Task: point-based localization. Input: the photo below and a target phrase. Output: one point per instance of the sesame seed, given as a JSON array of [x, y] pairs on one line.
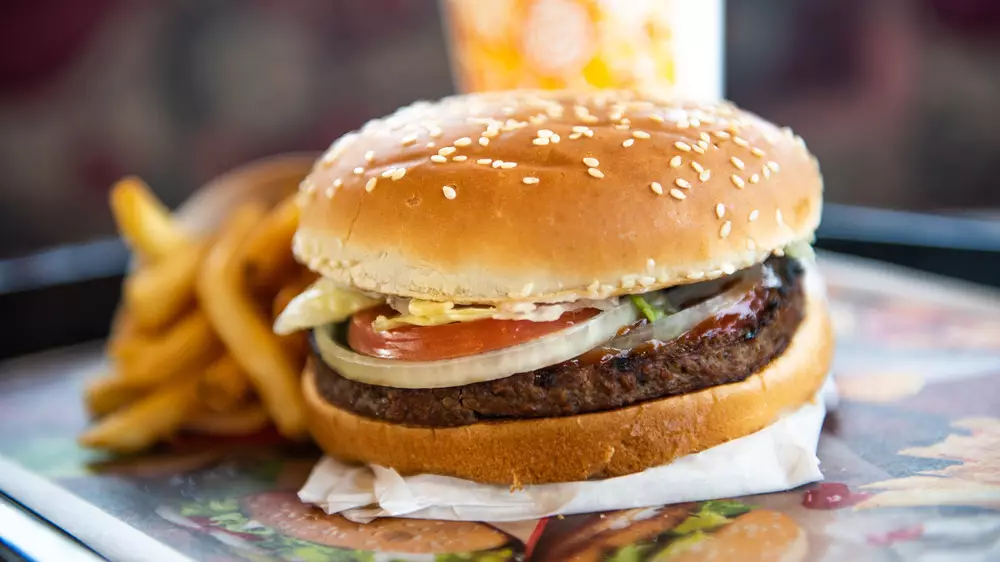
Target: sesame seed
[[447, 150], [757, 152], [677, 194], [697, 167], [338, 182], [579, 128], [369, 156], [387, 172], [489, 133], [497, 163], [484, 161], [574, 136], [741, 141], [628, 142], [449, 191], [358, 171], [753, 215], [737, 162], [544, 133], [727, 227], [328, 192], [615, 115], [430, 145], [622, 126], [656, 187], [696, 275], [483, 141], [675, 161], [778, 252], [682, 124], [640, 134], [704, 136], [755, 178], [767, 172], [398, 174], [438, 158], [464, 141], [738, 181], [434, 133], [540, 141], [722, 135], [773, 166], [370, 185], [595, 173], [589, 133], [555, 139], [698, 148], [529, 180], [728, 268], [681, 182], [778, 217], [650, 264], [408, 140], [720, 210], [460, 158], [591, 162], [508, 165], [703, 177], [682, 146], [656, 117], [696, 122]]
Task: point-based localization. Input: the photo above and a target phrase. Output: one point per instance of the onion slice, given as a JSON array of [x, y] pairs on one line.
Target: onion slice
[[545, 351], [675, 325]]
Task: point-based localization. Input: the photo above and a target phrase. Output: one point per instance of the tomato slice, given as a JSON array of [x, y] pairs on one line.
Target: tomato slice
[[431, 343]]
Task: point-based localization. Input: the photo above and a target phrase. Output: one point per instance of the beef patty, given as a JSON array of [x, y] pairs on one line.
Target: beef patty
[[718, 351]]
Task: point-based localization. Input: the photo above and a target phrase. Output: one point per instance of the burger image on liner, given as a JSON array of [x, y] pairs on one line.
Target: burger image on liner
[[531, 287]]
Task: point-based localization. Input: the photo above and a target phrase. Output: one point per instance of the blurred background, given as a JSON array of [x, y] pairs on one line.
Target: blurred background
[[899, 99]]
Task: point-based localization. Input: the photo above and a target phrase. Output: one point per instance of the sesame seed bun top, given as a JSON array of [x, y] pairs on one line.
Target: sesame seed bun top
[[547, 196]]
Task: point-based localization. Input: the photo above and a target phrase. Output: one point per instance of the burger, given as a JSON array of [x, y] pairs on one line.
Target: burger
[[277, 525], [713, 530], [529, 287]]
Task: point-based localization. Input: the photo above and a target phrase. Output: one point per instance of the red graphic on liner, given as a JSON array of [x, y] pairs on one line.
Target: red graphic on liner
[[832, 495], [899, 535]]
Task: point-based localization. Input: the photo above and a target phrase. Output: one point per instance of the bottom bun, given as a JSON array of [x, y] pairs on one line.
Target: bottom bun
[[595, 445]]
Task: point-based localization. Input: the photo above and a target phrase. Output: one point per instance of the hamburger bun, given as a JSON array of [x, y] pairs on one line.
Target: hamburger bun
[[595, 445], [598, 194]]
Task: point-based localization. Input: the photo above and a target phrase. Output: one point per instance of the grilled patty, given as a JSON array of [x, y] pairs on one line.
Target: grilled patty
[[718, 351]]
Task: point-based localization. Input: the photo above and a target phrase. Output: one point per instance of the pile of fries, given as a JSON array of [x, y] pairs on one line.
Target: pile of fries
[[192, 347]]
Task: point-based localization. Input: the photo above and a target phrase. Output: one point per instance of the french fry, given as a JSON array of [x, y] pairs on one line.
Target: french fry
[[144, 222], [266, 249], [147, 421], [109, 393], [223, 295], [224, 385], [156, 295], [189, 345], [248, 419]]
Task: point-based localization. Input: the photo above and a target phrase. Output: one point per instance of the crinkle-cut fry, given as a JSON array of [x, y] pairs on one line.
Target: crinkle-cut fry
[[225, 385], [266, 250], [189, 345], [110, 392], [151, 419], [144, 222], [159, 293], [223, 294], [248, 419]]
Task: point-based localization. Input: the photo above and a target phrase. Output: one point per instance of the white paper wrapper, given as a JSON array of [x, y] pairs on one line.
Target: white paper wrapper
[[778, 457]]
